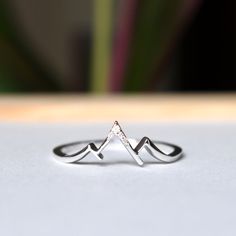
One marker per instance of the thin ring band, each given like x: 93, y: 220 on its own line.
x: 90, y: 147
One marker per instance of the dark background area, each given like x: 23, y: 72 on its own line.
x: 50, y: 47
x: 208, y: 49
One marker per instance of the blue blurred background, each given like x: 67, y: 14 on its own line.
x: 109, y: 46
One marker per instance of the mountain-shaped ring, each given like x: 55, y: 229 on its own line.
x: 64, y: 154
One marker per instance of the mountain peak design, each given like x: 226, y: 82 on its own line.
x: 116, y: 131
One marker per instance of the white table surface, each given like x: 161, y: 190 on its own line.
x: 194, y: 196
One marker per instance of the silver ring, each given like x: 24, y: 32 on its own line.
x: 74, y: 152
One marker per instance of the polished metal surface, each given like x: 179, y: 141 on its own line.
x: 64, y: 154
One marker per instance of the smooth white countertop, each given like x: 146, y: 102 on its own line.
x: 194, y: 196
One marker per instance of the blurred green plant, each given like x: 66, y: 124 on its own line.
x: 19, y: 69
x: 156, y: 25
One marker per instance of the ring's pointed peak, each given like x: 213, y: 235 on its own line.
x: 116, y: 125
x: 116, y: 122
x: 116, y: 128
